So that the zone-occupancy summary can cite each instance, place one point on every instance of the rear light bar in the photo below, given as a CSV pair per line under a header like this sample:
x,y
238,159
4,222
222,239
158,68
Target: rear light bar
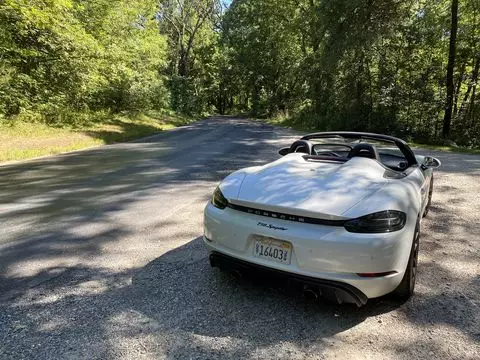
x,y
283,216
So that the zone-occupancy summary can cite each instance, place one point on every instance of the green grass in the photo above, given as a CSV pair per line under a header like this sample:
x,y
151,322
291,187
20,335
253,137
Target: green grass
x,y
24,140
286,122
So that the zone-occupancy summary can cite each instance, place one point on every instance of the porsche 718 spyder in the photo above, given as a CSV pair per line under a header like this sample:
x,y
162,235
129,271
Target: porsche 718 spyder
x,y
340,212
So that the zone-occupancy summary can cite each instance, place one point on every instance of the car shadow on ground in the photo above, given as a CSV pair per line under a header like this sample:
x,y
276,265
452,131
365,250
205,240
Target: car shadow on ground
x,y
197,299
197,302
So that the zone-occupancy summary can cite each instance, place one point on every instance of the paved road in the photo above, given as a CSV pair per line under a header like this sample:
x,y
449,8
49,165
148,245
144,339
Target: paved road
x,y
101,258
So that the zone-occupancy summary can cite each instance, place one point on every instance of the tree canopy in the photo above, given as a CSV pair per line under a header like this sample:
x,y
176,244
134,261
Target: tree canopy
x,y
374,65
405,67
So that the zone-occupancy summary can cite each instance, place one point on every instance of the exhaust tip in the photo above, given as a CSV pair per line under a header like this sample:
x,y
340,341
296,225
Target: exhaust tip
x,y
212,260
311,293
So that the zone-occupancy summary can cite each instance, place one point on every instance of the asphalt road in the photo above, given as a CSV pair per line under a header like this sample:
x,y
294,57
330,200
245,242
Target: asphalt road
x,y
101,258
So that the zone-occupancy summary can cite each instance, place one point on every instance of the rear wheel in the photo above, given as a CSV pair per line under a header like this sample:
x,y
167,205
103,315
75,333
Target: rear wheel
x,y
430,191
406,288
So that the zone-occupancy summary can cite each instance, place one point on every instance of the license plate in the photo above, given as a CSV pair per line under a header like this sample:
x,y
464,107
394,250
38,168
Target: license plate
x,y
273,250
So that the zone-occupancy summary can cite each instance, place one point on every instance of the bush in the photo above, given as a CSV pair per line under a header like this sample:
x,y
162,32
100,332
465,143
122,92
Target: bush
x,y
60,58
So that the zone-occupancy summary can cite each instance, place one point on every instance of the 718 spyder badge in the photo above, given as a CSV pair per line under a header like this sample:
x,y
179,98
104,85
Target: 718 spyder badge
x,y
270,226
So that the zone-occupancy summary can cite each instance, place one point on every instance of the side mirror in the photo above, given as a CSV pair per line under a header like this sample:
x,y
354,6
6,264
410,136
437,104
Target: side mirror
x,y
430,163
284,151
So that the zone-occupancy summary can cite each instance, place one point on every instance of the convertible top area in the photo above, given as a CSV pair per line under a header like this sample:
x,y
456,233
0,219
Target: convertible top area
x,y
352,134
339,213
401,144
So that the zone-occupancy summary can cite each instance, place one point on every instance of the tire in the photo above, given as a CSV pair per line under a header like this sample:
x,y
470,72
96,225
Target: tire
x,y
407,286
429,202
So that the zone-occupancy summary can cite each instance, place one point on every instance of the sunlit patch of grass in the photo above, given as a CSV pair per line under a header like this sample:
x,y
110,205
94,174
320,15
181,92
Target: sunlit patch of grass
x,y
24,140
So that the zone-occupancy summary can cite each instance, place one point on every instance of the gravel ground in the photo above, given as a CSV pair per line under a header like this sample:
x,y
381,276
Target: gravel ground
x,y
101,258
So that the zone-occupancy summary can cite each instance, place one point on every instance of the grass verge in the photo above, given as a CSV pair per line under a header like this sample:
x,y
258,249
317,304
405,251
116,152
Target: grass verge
x,y
21,140
286,122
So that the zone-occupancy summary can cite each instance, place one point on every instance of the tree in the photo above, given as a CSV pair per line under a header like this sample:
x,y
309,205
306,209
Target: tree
x,y
190,26
447,120
374,65
182,20
62,57
262,38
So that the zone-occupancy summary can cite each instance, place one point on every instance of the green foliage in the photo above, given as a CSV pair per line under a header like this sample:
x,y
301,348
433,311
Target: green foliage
x,y
262,38
189,26
374,65
63,57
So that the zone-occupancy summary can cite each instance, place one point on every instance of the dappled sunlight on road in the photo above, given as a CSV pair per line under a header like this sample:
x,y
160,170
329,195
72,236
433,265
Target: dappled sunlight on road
x,y
78,203
101,256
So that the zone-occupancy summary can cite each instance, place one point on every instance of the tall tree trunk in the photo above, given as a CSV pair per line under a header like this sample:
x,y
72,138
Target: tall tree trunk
x,y
182,62
458,87
471,84
447,119
470,114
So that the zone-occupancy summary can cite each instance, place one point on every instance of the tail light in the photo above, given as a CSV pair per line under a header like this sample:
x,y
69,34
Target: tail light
x,y
218,200
379,222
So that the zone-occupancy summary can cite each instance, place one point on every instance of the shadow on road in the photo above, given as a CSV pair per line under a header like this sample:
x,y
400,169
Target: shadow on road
x,y
63,209
178,305
176,300
209,302
85,225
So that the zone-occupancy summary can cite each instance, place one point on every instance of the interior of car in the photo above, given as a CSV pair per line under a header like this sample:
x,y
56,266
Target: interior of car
x,y
387,153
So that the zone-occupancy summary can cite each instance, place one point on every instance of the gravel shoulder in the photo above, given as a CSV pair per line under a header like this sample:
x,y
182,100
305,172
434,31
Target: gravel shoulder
x,y
101,257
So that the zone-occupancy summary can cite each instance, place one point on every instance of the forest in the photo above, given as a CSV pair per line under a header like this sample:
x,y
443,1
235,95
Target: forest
x,y
404,67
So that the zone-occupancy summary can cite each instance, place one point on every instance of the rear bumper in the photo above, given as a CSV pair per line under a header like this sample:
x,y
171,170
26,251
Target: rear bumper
x,y
320,252
332,290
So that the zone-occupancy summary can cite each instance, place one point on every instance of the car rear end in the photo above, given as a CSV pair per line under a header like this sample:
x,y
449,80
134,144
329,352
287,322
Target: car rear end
x,y
348,266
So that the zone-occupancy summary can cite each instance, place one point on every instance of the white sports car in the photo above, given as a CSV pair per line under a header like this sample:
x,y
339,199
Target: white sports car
x,y
340,212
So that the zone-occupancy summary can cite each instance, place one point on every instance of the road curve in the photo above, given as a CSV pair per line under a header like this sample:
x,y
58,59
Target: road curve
x,y
101,258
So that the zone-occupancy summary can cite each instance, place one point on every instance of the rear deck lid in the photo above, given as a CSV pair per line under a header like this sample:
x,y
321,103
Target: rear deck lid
x,y
311,188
